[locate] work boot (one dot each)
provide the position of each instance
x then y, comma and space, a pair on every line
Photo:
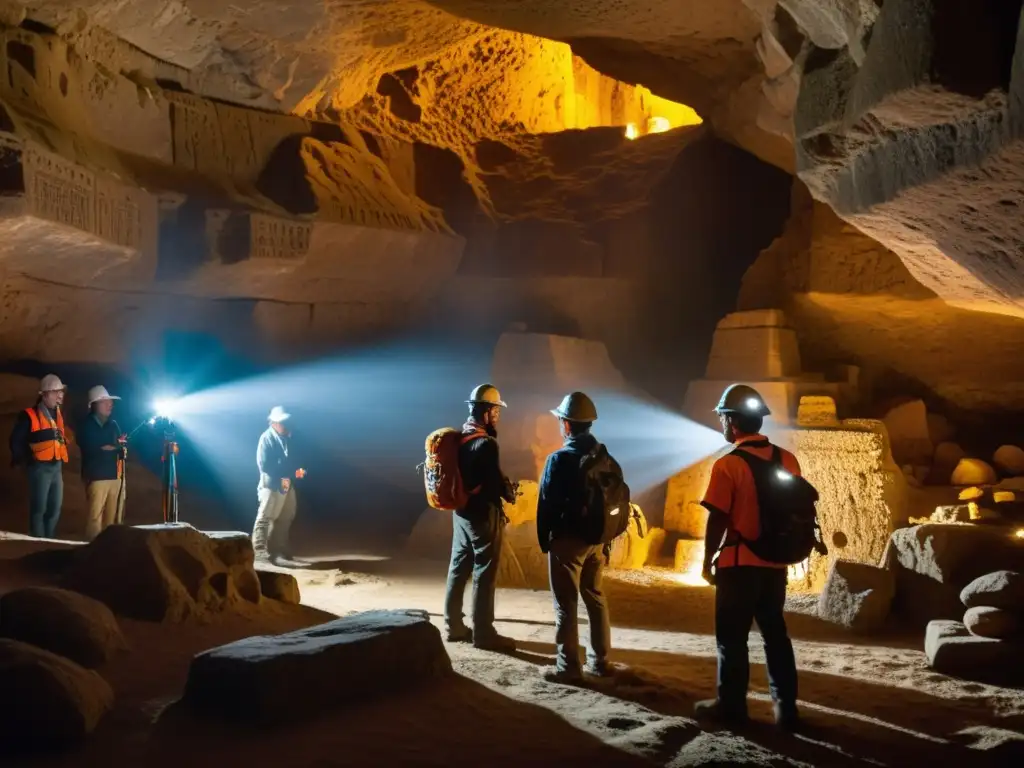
461, 634
495, 642
562, 676
714, 709
598, 669
787, 716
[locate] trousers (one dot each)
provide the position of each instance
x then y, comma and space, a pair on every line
105, 506
745, 594
476, 553
273, 521
575, 569
45, 497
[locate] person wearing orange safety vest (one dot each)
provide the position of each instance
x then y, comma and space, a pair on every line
39, 443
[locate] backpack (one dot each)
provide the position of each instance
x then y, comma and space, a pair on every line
788, 515
607, 511
441, 474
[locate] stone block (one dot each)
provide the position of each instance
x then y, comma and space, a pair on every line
907, 424
973, 472
817, 411
933, 563
753, 353
983, 621
279, 586
956, 513
279, 679
53, 701
689, 555
952, 650
166, 572
857, 596
1000, 589
66, 623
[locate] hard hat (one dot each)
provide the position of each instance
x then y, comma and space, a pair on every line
576, 406
739, 398
278, 415
98, 393
486, 393
51, 383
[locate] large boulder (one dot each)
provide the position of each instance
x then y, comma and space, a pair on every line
166, 572
947, 457
857, 596
285, 678
1009, 459
279, 586
993, 622
973, 472
952, 650
1000, 589
50, 701
907, 424
66, 623
933, 563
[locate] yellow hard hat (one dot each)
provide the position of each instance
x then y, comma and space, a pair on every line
486, 393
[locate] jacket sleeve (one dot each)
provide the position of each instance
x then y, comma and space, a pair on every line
492, 480
262, 455
90, 440
548, 503
19, 440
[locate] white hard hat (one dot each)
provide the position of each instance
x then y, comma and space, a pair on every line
278, 414
51, 383
98, 393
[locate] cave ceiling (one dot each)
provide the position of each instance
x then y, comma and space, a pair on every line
904, 116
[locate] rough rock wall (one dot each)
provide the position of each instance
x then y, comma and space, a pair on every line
853, 301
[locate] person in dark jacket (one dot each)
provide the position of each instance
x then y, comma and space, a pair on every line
39, 443
575, 567
275, 491
479, 527
102, 444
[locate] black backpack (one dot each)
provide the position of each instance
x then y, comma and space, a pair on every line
788, 513
607, 512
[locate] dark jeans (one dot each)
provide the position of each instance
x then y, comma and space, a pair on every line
744, 594
476, 552
575, 570
45, 496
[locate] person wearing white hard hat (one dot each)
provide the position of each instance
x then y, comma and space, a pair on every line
102, 444
276, 493
39, 442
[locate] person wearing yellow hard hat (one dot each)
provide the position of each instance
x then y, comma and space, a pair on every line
38, 443
479, 526
102, 444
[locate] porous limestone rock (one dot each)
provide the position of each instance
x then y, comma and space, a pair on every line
279, 586
683, 512
63, 622
983, 621
166, 572
945, 459
955, 513
280, 679
973, 472
816, 411
909, 438
753, 346
933, 563
1009, 459
51, 701
951, 649
688, 555
1000, 589
857, 596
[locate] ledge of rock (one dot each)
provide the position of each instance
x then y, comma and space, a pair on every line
55, 701
953, 650
166, 572
66, 623
857, 596
284, 678
279, 586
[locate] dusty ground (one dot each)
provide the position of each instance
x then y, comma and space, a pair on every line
866, 702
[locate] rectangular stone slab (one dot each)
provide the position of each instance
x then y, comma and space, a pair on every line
274, 679
952, 650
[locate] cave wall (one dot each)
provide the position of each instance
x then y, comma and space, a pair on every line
853, 301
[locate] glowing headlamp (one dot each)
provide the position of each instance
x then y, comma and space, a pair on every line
754, 404
164, 409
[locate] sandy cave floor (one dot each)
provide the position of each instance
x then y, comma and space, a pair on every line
869, 701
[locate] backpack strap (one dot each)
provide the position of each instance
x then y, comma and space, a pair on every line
733, 537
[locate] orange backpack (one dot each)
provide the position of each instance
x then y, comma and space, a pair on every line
441, 474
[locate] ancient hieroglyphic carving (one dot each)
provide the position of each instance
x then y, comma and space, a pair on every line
61, 191
274, 238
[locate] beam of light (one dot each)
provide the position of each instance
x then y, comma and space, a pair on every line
165, 407
650, 441
1020, 533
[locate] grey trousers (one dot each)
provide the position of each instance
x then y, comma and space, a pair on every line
273, 521
476, 552
575, 569
45, 498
